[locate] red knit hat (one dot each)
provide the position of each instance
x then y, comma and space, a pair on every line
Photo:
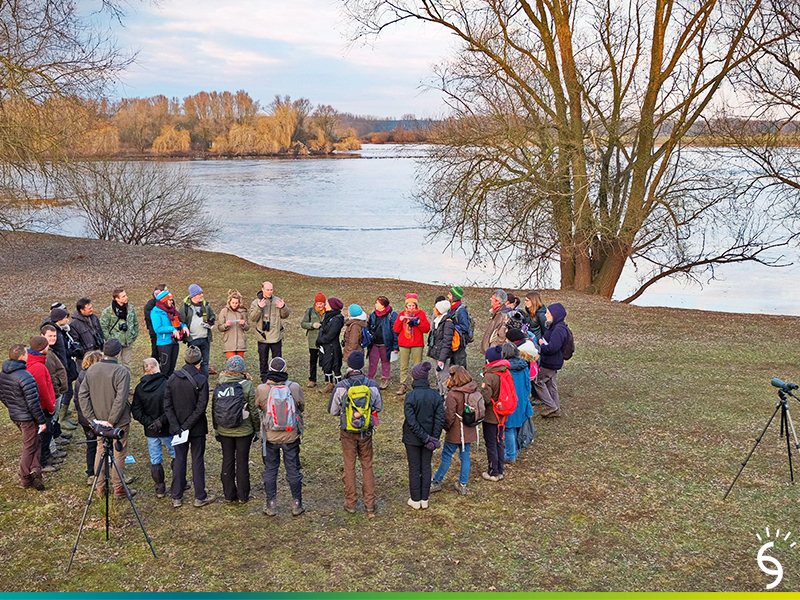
412, 298
320, 297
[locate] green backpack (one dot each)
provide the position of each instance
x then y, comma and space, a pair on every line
357, 412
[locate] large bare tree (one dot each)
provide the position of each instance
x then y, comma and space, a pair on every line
567, 139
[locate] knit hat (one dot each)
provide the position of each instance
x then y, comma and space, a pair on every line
195, 289
494, 353
320, 297
412, 298
383, 300
356, 360
515, 335
193, 355
235, 364
421, 371
112, 347
57, 314
443, 306
335, 304
278, 365
58, 305
355, 310
458, 292
38, 343
163, 295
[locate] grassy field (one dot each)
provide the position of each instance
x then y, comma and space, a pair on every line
623, 493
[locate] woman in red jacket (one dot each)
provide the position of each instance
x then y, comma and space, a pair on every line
410, 327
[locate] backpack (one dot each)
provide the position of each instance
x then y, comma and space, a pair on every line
474, 409
568, 349
357, 413
366, 337
281, 413
228, 404
469, 335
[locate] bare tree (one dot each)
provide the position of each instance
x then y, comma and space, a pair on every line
140, 203
567, 137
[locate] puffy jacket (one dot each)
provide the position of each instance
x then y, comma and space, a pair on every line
110, 324
250, 425
148, 404
386, 325
270, 314
424, 413
38, 368
352, 334
520, 373
441, 337
537, 322
309, 319
19, 393
453, 410
148, 309
417, 338
262, 395
234, 338
186, 311
551, 354
186, 400
162, 327
88, 331
332, 324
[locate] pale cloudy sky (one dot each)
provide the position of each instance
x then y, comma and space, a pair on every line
268, 47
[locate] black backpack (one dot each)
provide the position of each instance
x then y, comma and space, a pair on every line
228, 404
568, 349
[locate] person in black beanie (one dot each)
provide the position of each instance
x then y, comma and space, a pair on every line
423, 424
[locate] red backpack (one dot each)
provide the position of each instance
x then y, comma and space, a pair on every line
506, 402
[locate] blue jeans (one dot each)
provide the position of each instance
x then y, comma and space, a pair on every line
205, 351
511, 443
154, 448
447, 455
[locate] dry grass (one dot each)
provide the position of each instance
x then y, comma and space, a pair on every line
623, 493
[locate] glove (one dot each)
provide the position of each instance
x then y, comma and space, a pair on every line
155, 425
414, 322
432, 443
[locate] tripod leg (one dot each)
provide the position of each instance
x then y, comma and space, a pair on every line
785, 416
108, 456
85, 512
758, 439
136, 512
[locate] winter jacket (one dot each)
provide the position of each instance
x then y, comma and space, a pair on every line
454, 410
495, 334
19, 393
82, 420
187, 312
332, 324
148, 404
309, 319
110, 324
104, 393
520, 373
262, 396
441, 338
162, 327
37, 368
186, 400
88, 331
352, 334
490, 388
249, 425
148, 309
417, 338
337, 406
552, 352
382, 330
424, 414
61, 348
458, 313
58, 373
234, 337
269, 314
537, 322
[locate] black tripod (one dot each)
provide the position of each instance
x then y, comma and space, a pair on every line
786, 425
105, 466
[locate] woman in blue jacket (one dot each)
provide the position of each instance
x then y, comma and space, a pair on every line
169, 331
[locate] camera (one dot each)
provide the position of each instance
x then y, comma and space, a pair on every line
112, 433
74, 348
265, 325
123, 327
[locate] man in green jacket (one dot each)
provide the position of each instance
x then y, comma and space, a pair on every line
266, 315
119, 321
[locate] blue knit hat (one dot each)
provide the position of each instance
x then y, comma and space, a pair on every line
494, 353
355, 310
235, 364
195, 289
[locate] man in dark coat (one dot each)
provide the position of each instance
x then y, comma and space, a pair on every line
185, 403
19, 393
148, 409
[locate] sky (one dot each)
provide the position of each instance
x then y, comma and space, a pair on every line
297, 48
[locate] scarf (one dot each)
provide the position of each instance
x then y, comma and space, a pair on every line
386, 310
321, 313
172, 313
406, 327
120, 311
277, 376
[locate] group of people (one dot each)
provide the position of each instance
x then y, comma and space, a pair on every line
89, 358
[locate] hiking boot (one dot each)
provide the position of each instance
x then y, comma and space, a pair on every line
488, 477
37, 482
328, 388
66, 436
205, 501
384, 384
415, 504
350, 509
51, 469
120, 494
177, 502
271, 507
69, 425
311, 384
129, 480
58, 454
436, 486
297, 507
423, 504
461, 488
61, 441
551, 414
371, 513
402, 390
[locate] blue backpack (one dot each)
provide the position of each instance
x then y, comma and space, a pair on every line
366, 337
